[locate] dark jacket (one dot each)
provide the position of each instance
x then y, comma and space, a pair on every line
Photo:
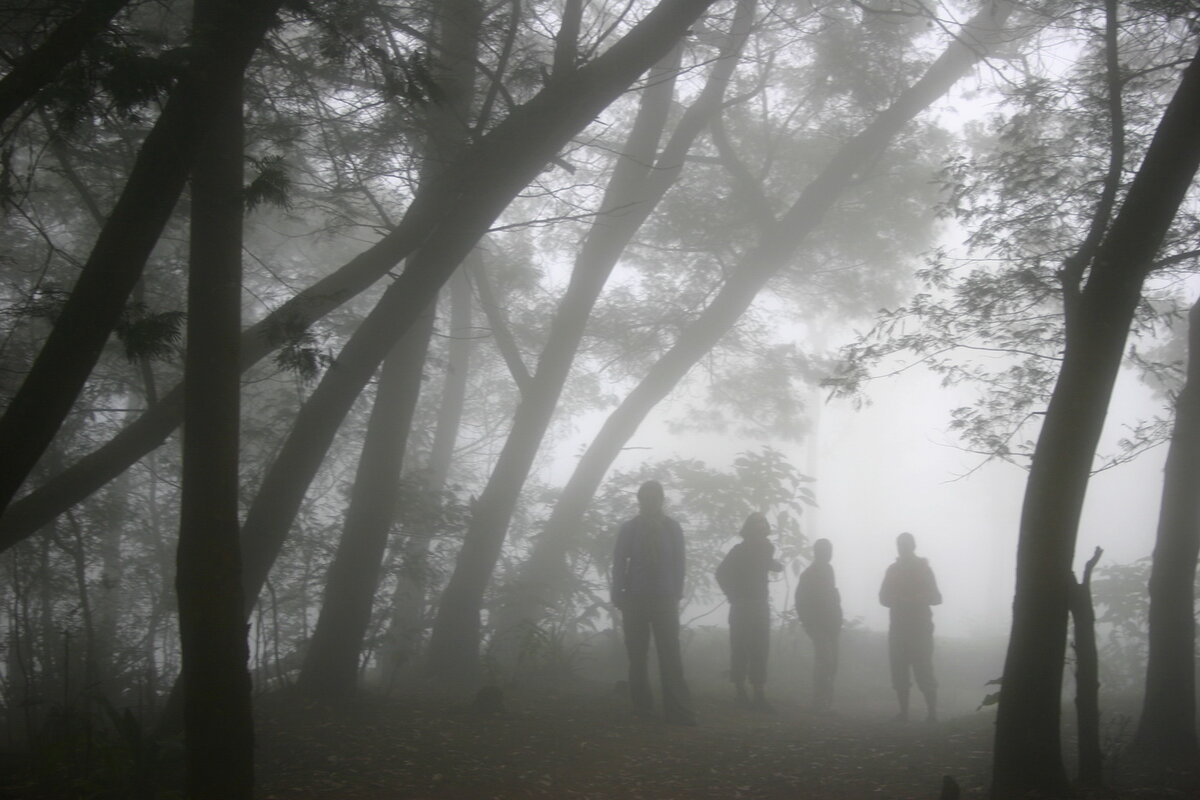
742, 575
648, 560
818, 602
909, 589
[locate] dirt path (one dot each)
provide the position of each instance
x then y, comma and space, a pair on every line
588, 746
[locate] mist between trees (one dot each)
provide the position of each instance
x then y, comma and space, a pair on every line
338, 337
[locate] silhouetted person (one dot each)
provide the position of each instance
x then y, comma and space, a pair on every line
742, 576
909, 589
647, 585
819, 607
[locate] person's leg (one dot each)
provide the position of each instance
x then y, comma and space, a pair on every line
922, 662
758, 648
677, 700
635, 619
737, 653
824, 666
899, 661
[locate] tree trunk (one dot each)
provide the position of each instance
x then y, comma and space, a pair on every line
331, 665
223, 47
775, 248
1028, 751
1167, 729
508, 155
43, 64
1087, 678
218, 718
403, 635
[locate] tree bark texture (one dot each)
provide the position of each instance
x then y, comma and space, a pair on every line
331, 664
1167, 728
775, 248
223, 47
507, 155
1028, 751
218, 719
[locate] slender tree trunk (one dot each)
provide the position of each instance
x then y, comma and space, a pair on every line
776, 247
405, 625
331, 665
218, 718
1167, 729
1087, 678
507, 155
222, 49
43, 64
632, 194
1028, 751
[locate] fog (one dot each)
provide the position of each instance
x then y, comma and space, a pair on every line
413, 399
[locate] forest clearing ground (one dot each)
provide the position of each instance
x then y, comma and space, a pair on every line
588, 745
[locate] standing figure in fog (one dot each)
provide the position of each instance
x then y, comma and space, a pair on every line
742, 576
909, 589
647, 586
819, 607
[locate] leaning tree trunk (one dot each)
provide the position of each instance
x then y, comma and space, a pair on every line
222, 48
508, 155
1087, 678
406, 622
331, 665
1167, 729
775, 249
1028, 753
218, 719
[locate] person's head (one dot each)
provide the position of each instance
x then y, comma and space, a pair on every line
906, 544
756, 526
822, 551
650, 497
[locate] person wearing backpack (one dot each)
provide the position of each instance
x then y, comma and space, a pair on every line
743, 577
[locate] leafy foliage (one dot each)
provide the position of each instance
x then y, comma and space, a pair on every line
149, 335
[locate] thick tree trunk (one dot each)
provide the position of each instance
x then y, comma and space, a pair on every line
223, 48
633, 192
43, 64
1087, 678
1028, 751
218, 718
1167, 728
530, 135
776, 247
331, 664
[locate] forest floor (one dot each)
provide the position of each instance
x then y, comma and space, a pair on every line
587, 744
